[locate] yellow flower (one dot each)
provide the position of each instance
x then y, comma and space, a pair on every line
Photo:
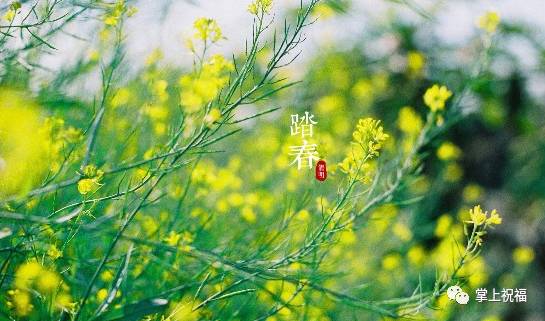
200, 88
107, 276
402, 231
409, 121
248, 214
448, 151
86, 185
21, 301
213, 116
173, 238
121, 97
443, 225
416, 255
64, 301
54, 252
472, 192
391, 261
415, 61
102, 294
494, 218
25, 143
9, 15
47, 281
26, 273
260, 6
489, 21
207, 29
523, 255
478, 217
91, 181
436, 96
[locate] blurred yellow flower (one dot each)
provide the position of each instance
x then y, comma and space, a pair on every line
202, 87
258, 7
24, 144
26, 273
523, 255
391, 261
53, 252
48, 281
20, 301
207, 29
448, 151
409, 121
416, 255
472, 192
213, 116
415, 61
443, 225
489, 21
101, 295
173, 238
436, 96
248, 214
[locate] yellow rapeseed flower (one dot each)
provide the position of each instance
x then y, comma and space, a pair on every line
478, 217
213, 116
48, 281
21, 302
448, 151
24, 144
101, 295
26, 274
207, 29
53, 252
86, 185
200, 88
391, 261
523, 255
409, 121
415, 61
494, 218
173, 238
260, 6
489, 21
436, 96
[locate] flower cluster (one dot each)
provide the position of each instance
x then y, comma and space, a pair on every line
24, 143
260, 6
91, 179
12, 11
202, 87
368, 139
489, 21
31, 277
207, 29
115, 14
478, 217
436, 97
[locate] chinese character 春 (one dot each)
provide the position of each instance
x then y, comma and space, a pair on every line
481, 295
305, 155
302, 125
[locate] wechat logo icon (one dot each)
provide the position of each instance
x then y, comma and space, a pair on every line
456, 293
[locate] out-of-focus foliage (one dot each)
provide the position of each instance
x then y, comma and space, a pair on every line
169, 194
